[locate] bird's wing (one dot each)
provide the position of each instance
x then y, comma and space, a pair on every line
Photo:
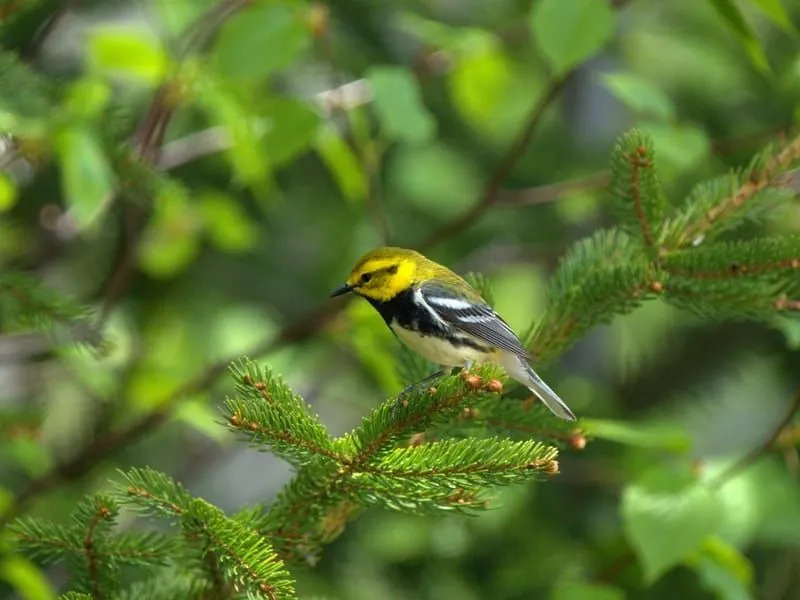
476, 319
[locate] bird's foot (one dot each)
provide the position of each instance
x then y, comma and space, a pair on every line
402, 398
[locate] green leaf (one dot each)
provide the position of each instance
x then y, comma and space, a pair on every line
130, 53
342, 163
666, 518
227, 224
680, 147
86, 176
775, 12
397, 100
26, 579
639, 94
479, 81
732, 15
656, 436
292, 127
87, 98
8, 193
568, 33
260, 40
587, 591
724, 570
170, 240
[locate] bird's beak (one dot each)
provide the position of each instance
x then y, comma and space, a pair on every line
342, 290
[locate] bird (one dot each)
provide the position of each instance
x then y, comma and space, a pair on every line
440, 316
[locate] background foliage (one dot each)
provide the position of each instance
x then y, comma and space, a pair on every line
183, 183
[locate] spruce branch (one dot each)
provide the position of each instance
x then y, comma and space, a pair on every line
639, 204
601, 276
724, 203
269, 414
246, 557
88, 546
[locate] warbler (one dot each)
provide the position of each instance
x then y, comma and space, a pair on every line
442, 317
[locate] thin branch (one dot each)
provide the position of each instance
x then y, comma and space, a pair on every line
758, 181
639, 161
551, 192
491, 193
737, 270
760, 450
91, 557
785, 304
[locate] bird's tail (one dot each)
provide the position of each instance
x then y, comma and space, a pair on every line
520, 370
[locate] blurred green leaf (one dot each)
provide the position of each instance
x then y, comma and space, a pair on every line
27, 453
170, 240
224, 106
666, 519
659, 436
776, 12
587, 591
639, 94
732, 15
568, 33
197, 413
397, 100
228, 226
724, 570
291, 132
8, 192
479, 80
678, 147
177, 15
87, 98
791, 330
130, 53
26, 579
86, 176
260, 40
434, 178
343, 164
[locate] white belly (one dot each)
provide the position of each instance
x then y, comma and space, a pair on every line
439, 351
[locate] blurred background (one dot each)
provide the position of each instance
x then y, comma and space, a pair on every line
184, 182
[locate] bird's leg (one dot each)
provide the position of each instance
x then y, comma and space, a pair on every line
401, 401
425, 380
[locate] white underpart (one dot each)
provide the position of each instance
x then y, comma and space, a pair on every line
452, 303
440, 351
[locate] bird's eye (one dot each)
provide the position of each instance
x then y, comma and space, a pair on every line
392, 270
366, 277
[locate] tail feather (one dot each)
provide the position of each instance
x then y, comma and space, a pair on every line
517, 368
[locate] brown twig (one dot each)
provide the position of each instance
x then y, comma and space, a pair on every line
91, 557
639, 161
751, 457
757, 182
491, 193
551, 192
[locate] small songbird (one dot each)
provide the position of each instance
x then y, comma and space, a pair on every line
440, 316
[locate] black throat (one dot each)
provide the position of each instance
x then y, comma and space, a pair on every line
404, 311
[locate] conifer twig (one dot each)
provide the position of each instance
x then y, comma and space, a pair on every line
758, 181
88, 549
639, 160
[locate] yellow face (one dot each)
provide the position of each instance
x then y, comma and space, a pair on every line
381, 279
383, 273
